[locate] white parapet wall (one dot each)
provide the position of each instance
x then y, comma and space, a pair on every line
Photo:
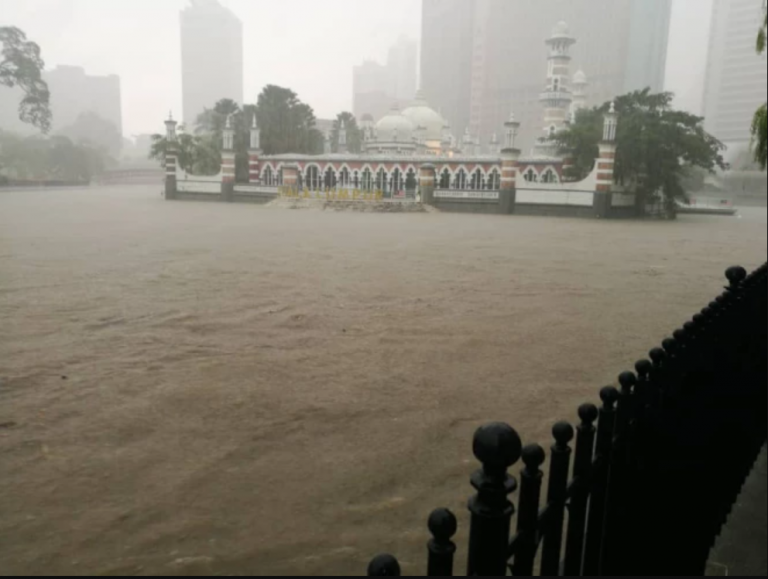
472, 195
555, 194
256, 189
210, 187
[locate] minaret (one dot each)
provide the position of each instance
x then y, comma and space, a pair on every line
446, 140
171, 157
510, 156
580, 85
467, 143
228, 161
342, 137
254, 152
494, 148
557, 97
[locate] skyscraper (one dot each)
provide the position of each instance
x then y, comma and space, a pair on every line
377, 87
736, 74
73, 92
211, 57
479, 58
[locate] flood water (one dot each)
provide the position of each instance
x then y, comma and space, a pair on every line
233, 389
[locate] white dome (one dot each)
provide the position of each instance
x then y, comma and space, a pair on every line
420, 114
580, 78
394, 125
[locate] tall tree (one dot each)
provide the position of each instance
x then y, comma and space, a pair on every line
21, 65
196, 154
354, 134
656, 144
760, 121
287, 124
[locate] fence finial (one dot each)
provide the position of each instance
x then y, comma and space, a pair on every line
736, 275
497, 445
610, 396
384, 566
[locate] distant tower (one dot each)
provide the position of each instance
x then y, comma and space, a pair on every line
580, 85
467, 144
342, 137
557, 97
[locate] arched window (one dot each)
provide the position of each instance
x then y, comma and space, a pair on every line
445, 179
460, 181
549, 176
494, 180
381, 180
268, 177
531, 176
367, 180
396, 182
356, 180
476, 183
313, 181
344, 178
329, 181
410, 182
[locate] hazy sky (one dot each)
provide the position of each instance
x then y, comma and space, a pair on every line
307, 45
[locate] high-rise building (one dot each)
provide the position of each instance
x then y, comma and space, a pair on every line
736, 74
377, 87
402, 64
73, 92
479, 58
370, 90
211, 57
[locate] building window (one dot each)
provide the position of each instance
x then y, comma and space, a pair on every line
356, 180
330, 178
269, 177
494, 180
460, 182
476, 183
344, 178
381, 179
367, 180
549, 176
531, 176
396, 183
313, 178
445, 179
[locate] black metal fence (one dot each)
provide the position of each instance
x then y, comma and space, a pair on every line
655, 471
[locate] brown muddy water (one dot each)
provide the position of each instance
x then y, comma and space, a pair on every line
233, 389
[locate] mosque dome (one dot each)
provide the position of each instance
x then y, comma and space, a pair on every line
394, 126
420, 114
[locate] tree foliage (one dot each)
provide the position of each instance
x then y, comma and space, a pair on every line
287, 124
760, 121
656, 144
21, 65
90, 128
353, 131
54, 158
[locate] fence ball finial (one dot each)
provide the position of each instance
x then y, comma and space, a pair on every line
443, 525
644, 368
384, 566
628, 381
588, 413
563, 433
610, 396
736, 275
497, 445
533, 457
671, 346
658, 355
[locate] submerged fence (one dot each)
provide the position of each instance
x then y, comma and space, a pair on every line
655, 471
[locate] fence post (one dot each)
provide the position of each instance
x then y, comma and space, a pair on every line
614, 561
597, 505
498, 447
528, 515
560, 462
384, 566
442, 524
582, 474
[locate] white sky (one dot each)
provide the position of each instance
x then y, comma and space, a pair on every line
307, 45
